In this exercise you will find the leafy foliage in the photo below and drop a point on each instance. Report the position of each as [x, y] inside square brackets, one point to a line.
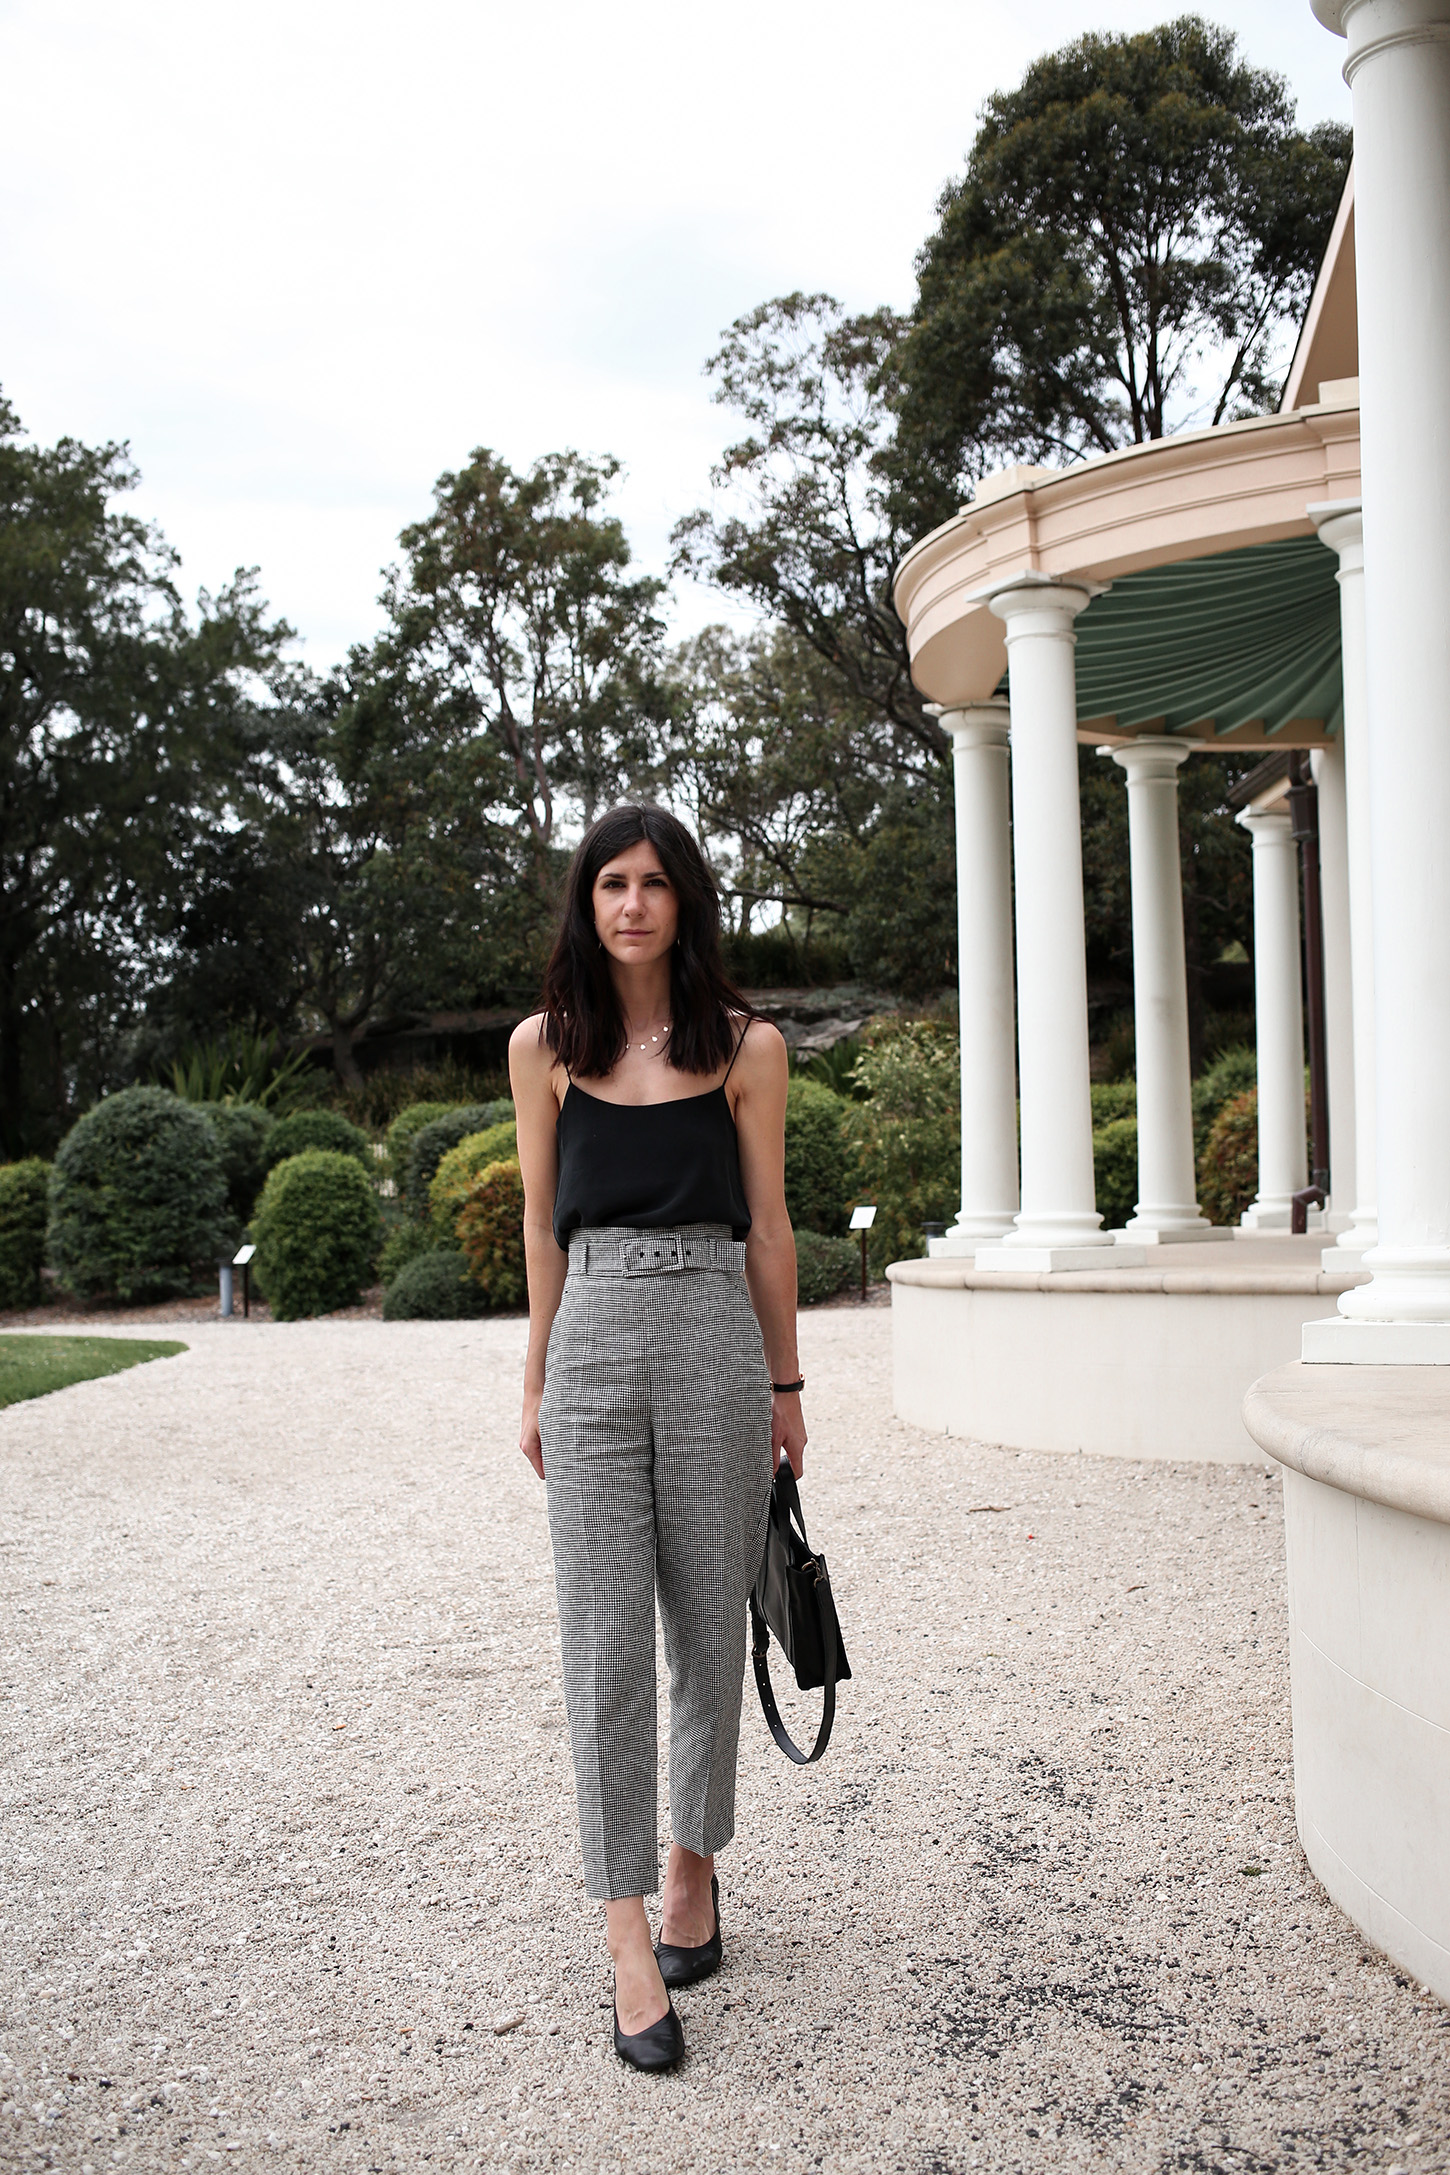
[433, 1141]
[316, 1229]
[303, 1129]
[452, 1183]
[1232, 1073]
[407, 1238]
[138, 1201]
[1138, 224]
[824, 1266]
[1115, 1170]
[817, 1162]
[907, 1135]
[434, 1287]
[1228, 1169]
[24, 1206]
[491, 1233]
[242, 1131]
[404, 1130]
[238, 1068]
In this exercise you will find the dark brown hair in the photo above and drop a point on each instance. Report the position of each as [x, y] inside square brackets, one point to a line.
[583, 1024]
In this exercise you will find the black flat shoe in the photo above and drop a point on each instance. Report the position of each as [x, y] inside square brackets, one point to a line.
[658, 2046]
[684, 1966]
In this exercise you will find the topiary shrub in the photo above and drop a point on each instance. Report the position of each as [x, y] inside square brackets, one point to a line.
[24, 1206]
[1228, 1169]
[435, 1288]
[453, 1180]
[1115, 1170]
[138, 1198]
[242, 1131]
[491, 1233]
[907, 1134]
[316, 1229]
[823, 1266]
[1113, 1099]
[406, 1240]
[817, 1163]
[320, 1129]
[434, 1140]
[404, 1130]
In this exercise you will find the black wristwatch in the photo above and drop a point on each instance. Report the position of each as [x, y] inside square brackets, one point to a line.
[784, 1389]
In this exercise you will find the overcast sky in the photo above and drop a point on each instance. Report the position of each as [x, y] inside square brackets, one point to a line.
[305, 256]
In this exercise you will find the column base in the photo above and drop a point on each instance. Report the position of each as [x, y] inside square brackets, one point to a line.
[1348, 1249]
[964, 1238]
[1051, 1258]
[1337, 1342]
[1182, 1234]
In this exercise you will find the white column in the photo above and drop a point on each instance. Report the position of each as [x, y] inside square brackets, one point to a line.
[1399, 71]
[1058, 1226]
[1341, 527]
[984, 978]
[1328, 767]
[1279, 1020]
[1167, 1207]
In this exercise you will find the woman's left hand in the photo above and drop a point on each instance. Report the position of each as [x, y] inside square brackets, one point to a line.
[788, 1430]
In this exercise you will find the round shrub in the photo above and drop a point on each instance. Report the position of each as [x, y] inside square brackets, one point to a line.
[823, 1266]
[1233, 1072]
[1115, 1171]
[316, 1229]
[1228, 1169]
[404, 1130]
[24, 1205]
[406, 1240]
[817, 1167]
[138, 1198]
[454, 1177]
[435, 1288]
[242, 1131]
[907, 1134]
[434, 1140]
[491, 1233]
[324, 1129]
[1113, 1099]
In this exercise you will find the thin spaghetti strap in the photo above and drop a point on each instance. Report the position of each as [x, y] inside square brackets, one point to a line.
[736, 1052]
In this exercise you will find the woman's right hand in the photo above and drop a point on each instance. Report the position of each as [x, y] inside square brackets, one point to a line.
[529, 1441]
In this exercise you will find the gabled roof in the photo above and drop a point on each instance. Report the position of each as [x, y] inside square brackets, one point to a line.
[1328, 348]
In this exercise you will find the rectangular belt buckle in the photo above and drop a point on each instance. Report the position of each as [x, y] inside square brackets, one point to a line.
[660, 1256]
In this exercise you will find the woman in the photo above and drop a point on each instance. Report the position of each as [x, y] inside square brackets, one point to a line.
[651, 1126]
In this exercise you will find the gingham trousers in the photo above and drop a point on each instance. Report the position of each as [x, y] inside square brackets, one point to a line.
[655, 1427]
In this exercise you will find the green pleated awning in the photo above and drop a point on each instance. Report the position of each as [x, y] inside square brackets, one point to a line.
[1245, 637]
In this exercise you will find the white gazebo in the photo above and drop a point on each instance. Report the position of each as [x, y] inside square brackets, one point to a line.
[1031, 1324]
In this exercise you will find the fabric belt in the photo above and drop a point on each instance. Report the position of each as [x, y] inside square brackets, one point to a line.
[654, 1253]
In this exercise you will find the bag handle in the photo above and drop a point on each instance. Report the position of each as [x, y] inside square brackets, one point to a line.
[759, 1654]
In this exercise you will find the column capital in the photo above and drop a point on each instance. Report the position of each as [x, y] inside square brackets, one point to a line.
[1266, 830]
[1340, 522]
[1152, 757]
[1053, 605]
[974, 724]
[1373, 26]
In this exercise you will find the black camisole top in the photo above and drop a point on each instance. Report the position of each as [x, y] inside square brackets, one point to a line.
[651, 1165]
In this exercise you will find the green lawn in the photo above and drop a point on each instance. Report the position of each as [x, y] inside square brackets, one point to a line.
[30, 1366]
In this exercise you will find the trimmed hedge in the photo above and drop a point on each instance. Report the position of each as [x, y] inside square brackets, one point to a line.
[242, 1132]
[907, 1137]
[1115, 1171]
[453, 1180]
[435, 1288]
[404, 1130]
[1232, 1073]
[491, 1233]
[317, 1129]
[138, 1198]
[406, 1240]
[24, 1206]
[824, 1266]
[817, 1160]
[434, 1140]
[316, 1228]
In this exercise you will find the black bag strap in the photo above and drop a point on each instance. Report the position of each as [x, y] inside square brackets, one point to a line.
[759, 1654]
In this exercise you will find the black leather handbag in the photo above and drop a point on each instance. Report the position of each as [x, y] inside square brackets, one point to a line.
[792, 1597]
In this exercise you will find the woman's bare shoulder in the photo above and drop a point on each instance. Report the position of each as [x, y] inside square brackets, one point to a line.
[529, 1047]
[763, 1052]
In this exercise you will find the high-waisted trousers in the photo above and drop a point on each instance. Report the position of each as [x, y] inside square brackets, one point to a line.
[655, 1427]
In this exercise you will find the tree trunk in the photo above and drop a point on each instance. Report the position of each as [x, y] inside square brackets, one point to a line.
[12, 1107]
[344, 1060]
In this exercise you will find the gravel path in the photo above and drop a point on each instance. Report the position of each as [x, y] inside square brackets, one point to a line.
[288, 1822]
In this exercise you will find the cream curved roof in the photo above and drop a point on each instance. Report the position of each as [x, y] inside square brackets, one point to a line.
[1155, 505]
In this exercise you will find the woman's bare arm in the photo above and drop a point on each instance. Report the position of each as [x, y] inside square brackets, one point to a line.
[531, 1073]
[759, 1082]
